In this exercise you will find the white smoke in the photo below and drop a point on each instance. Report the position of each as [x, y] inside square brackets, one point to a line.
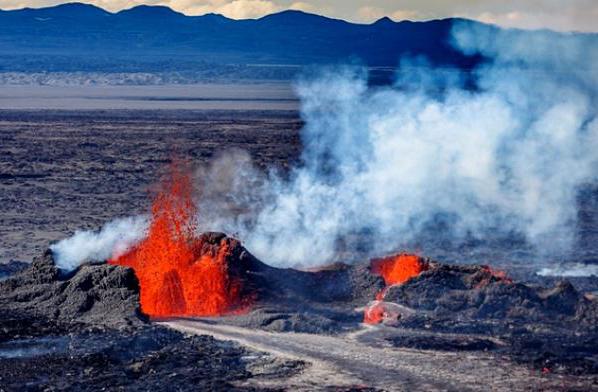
[113, 240]
[428, 159]
[570, 270]
[390, 164]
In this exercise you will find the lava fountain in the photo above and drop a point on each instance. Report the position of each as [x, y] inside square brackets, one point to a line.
[396, 269]
[179, 273]
[399, 268]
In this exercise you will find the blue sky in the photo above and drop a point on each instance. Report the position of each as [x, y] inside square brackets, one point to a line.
[580, 15]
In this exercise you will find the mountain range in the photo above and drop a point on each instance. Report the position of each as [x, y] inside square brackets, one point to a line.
[82, 37]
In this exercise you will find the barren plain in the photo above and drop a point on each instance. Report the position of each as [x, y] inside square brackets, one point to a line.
[76, 162]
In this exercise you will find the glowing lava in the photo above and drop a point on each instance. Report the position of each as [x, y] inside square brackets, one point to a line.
[489, 275]
[179, 274]
[394, 270]
[375, 313]
[399, 268]
[379, 311]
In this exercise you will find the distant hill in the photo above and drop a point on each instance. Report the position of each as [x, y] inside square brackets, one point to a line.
[81, 37]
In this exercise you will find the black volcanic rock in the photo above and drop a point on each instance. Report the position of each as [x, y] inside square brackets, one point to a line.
[477, 294]
[472, 307]
[351, 284]
[99, 295]
[11, 268]
[286, 299]
[108, 296]
[142, 359]
[82, 330]
[91, 316]
[320, 301]
[454, 296]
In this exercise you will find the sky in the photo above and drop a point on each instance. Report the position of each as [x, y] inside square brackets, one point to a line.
[562, 15]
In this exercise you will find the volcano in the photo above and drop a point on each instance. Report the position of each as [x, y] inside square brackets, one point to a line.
[438, 307]
[186, 279]
[182, 273]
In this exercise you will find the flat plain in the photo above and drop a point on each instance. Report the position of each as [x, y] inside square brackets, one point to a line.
[74, 157]
[62, 171]
[78, 163]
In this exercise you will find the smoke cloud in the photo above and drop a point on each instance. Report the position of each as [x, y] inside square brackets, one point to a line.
[113, 240]
[441, 157]
[383, 168]
[571, 270]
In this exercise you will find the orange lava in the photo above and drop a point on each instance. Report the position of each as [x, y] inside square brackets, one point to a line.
[374, 314]
[492, 275]
[395, 269]
[379, 311]
[176, 276]
[399, 268]
[497, 274]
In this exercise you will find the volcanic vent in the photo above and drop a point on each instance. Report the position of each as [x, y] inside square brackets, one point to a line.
[180, 272]
[395, 270]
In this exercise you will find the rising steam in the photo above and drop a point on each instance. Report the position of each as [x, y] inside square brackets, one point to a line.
[429, 157]
[113, 240]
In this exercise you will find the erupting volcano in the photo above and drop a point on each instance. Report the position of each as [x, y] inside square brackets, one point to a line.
[180, 273]
[396, 269]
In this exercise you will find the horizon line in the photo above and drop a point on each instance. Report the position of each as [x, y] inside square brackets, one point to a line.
[386, 17]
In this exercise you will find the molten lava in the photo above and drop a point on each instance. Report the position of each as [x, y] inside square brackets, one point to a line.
[394, 270]
[373, 314]
[379, 311]
[489, 275]
[178, 274]
[499, 275]
[399, 268]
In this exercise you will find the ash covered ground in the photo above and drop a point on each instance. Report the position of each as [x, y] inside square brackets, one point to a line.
[65, 171]
[84, 330]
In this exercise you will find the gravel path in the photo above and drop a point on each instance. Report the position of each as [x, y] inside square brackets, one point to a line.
[346, 361]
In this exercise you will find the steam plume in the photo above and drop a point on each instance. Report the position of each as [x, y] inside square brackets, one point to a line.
[572, 270]
[427, 158]
[389, 164]
[113, 240]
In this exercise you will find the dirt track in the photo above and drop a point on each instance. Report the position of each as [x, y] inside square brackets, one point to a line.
[348, 361]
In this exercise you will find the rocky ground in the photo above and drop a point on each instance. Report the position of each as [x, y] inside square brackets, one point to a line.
[64, 171]
[453, 326]
[143, 359]
[363, 360]
[85, 331]
[452, 308]
[459, 326]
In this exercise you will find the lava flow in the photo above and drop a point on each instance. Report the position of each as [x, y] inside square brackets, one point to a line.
[490, 275]
[394, 270]
[178, 275]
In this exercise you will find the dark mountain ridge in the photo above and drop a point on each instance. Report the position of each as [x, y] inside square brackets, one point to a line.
[83, 37]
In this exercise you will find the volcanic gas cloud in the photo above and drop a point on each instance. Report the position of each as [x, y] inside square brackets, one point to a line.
[179, 274]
